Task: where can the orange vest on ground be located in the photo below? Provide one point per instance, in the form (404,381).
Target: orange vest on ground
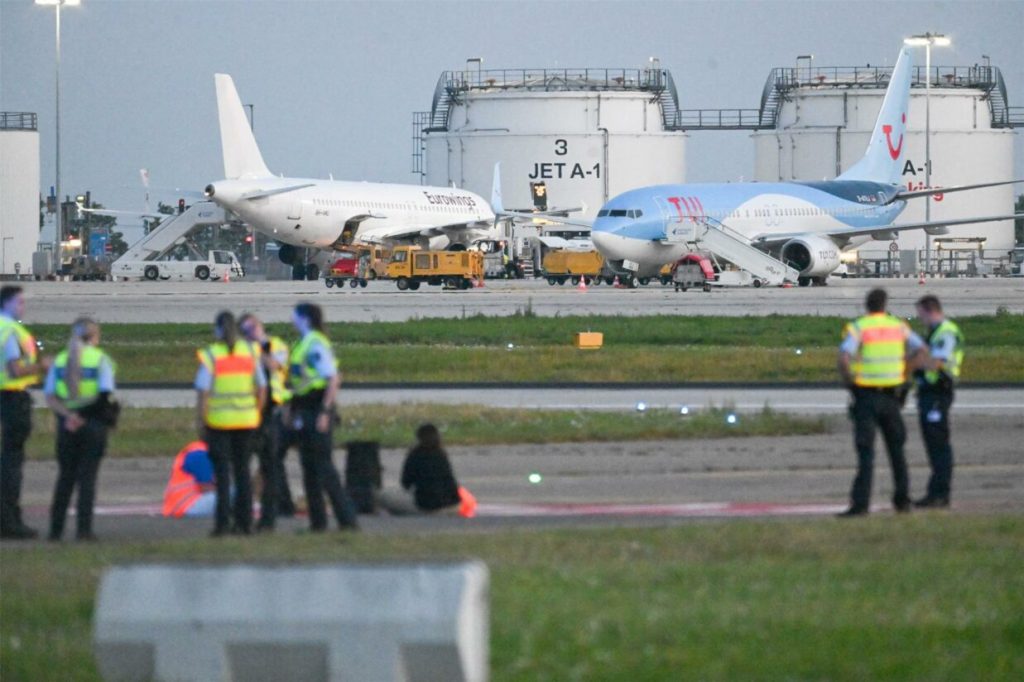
(183,490)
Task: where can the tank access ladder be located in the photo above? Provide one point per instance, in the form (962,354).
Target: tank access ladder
(710,235)
(172,230)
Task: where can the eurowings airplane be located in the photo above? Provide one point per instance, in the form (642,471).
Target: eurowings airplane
(806,224)
(327,214)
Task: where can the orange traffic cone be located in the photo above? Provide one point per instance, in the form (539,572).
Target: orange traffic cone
(225,278)
(583,284)
(920,278)
(616,283)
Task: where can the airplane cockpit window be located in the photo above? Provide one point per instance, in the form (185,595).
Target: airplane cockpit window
(617,213)
(635,213)
(603,213)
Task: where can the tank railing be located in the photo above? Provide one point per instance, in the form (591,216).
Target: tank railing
(556,80)
(718,119)
(980,77)
(18,120)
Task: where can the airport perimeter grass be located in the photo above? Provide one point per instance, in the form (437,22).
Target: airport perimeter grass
(155,432)
(929,597)
(655,349)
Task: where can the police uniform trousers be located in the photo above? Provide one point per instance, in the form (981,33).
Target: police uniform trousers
(319,475)
(15,427)
(266,441)
(933,411)
(878,408)
(78,459)
(287,438)
(229,453)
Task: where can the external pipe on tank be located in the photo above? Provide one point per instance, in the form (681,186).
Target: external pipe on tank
(606,173)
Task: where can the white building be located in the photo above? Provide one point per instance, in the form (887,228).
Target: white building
(823,117)
(19,191)
(588,134)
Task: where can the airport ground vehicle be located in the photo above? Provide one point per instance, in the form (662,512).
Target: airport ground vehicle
(87,268)
(561,266)
(350,266)
(410,267)
(691,271)
(213,267)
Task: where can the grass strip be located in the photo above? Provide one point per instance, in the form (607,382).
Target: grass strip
(932,596)
(155,432)
(653,348)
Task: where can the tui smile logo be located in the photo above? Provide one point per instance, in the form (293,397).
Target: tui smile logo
(894,152)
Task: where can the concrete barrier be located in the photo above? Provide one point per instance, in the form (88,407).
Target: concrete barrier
(394,622)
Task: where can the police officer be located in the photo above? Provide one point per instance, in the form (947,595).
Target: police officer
(78,388)
(314,380)
(935,383)
(20,367)
(873,361)
(230,391)
(274,364)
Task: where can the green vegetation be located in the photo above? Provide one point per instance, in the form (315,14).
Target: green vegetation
(155,432)
(647,349)
(929,597)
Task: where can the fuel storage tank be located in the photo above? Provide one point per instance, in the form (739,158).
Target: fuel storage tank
(588,134)
(824,117)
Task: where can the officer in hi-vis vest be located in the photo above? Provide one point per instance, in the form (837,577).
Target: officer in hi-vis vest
(274,364)
(20,367)
(873,360)
(78,389)
(936,380)
(313,379)
(230,392)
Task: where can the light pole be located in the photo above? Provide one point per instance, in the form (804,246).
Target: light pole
(59,221)
(926,40)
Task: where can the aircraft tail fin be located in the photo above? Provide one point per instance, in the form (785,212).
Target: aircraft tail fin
(496,203)
(883,160)
(242,158)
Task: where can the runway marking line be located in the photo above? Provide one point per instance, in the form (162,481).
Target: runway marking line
(692,509)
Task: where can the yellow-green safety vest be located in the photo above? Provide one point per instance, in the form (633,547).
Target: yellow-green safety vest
(231,404)
(89,382)
(953,365)
(880,361)
(29,355)
(279,392)
(302,374)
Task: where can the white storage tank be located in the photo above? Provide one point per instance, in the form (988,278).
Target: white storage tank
(19,191)
(825,115)
(588,134)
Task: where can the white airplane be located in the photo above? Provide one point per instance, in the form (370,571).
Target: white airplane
(805,224)
(328,214)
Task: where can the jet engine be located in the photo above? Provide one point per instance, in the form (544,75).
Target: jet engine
(814,256)
(287,254)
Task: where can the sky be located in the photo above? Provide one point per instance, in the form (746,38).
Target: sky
(334,83)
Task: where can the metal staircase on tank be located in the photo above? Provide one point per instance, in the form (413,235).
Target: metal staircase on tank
(710,235)
(172,230)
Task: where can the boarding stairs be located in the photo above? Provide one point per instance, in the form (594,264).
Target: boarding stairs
(707,234)
(172,230)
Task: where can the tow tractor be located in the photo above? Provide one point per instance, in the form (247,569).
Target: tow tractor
(350,266)
(691,271)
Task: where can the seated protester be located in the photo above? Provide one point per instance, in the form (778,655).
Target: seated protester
(428,484)
(191,491)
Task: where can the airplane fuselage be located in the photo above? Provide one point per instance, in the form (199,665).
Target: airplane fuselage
(638,225)
(326,213)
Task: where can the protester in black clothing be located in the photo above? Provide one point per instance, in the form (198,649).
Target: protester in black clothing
(428,484)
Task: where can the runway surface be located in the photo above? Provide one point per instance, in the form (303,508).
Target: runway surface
(60,302)
(992,401)
(602,484)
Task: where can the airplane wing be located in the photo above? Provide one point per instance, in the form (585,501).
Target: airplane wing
(910,194)
(112,212)
(935,227)
(424,230)
(561,220)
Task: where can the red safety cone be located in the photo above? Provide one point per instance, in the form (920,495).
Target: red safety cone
(920,277)
(225,278)
(616,283)
(583,284)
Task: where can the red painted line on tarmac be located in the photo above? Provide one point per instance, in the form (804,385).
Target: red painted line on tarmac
(693,509)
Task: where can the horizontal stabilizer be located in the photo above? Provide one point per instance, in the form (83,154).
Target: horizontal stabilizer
(910,194)
(260,194)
